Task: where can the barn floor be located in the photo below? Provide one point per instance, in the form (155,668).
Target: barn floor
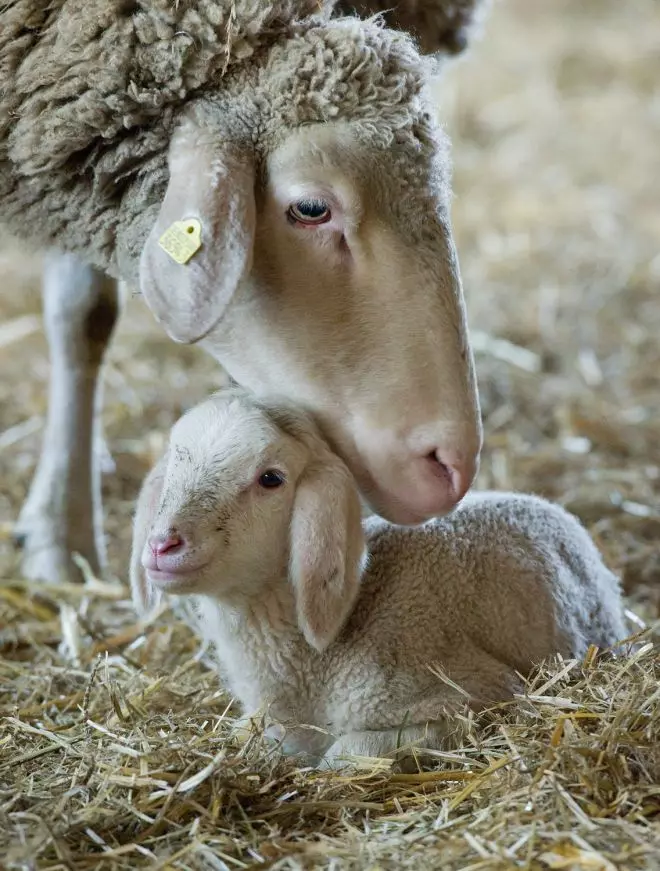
(114,739)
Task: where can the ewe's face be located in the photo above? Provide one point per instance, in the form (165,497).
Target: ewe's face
(223,517)
(354,309)
(329,276)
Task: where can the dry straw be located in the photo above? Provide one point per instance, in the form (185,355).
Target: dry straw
(116,752)
(115,745)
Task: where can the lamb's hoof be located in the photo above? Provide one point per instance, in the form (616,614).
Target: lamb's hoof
(335,764)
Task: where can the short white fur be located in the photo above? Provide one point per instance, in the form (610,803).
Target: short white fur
(328,622)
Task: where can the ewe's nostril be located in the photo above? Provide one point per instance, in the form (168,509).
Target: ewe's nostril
(439,468)
(161,544)
(458,474)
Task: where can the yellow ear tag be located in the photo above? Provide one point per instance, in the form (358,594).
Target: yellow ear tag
(182,240)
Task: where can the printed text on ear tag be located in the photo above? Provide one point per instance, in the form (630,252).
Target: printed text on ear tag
(182,239)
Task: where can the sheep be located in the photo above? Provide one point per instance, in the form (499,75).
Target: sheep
(321,621)
(273,182)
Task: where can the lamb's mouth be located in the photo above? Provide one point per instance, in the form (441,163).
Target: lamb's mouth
(179,577)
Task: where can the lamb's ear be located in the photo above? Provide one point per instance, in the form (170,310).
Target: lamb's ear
(145,597)
(327,547)
(209,202)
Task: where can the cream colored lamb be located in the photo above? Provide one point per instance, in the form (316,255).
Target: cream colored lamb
(331,622)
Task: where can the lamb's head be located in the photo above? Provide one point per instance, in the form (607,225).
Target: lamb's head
(246,496)
(327,269)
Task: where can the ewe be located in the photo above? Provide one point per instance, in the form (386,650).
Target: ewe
(289,163)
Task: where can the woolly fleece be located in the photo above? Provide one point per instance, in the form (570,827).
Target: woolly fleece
(437,25)
(92,93)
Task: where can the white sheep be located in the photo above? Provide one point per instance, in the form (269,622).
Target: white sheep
(273,181)
(329,623)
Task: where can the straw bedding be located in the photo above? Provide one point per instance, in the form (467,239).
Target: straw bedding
(115,750)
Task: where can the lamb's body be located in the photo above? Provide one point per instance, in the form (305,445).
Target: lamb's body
(505,582)
(484,594)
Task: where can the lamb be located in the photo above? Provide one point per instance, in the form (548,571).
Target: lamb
(274,183)
(320,621)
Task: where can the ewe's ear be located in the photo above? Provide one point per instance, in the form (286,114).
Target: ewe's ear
(327,546)
(209,201)
(145,597)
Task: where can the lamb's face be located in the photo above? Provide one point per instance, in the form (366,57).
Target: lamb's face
(223,516)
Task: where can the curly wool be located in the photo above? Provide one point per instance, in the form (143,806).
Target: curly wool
(438,25)
(91,97)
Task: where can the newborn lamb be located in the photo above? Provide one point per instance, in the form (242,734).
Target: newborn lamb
(325,620)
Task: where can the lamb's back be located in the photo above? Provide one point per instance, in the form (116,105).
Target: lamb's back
(513,575)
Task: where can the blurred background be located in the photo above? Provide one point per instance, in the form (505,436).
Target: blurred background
(555,121)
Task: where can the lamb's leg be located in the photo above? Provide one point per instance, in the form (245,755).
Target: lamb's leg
(399,745)
(431,724)
(306,743)
(63,513)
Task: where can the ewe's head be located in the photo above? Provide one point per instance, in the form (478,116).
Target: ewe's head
(327,270)
(246,495)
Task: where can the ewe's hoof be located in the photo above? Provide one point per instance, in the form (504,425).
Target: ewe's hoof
(50,565)
(45,559)
(48,538)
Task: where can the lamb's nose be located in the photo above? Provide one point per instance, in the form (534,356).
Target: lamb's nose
(165,543)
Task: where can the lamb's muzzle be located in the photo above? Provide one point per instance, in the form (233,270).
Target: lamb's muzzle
(166,560)
(169,560)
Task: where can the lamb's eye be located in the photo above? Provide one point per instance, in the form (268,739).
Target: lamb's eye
(271,479)
(311,211)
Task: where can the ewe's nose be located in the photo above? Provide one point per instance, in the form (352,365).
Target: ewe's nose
(439,480)
(419,474)
(167,542)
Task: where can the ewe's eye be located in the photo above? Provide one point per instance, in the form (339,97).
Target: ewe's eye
(271,479)
(309,211)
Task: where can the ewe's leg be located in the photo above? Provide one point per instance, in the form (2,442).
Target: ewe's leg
(63,513)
